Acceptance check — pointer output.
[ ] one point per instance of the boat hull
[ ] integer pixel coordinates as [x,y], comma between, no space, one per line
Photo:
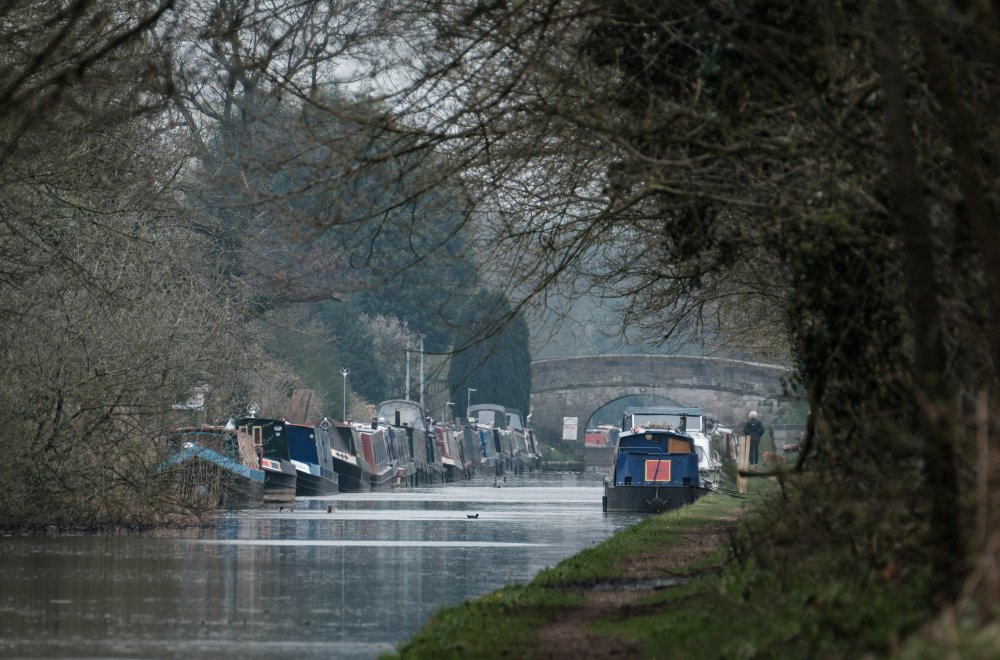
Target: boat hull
[453,473]
[649,498]
[279,481]
[311,485]
[383,480]
[351,477]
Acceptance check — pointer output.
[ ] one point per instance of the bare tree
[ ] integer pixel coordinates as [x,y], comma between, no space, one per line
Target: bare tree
[109,311]
[701,159]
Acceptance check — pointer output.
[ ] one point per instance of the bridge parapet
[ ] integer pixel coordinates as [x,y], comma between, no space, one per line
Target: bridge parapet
[725,389]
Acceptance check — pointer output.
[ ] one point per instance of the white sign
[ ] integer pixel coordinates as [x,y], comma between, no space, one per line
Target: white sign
[569,428]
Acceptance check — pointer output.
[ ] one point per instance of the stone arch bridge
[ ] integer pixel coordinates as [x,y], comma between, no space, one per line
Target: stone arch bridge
[725,389]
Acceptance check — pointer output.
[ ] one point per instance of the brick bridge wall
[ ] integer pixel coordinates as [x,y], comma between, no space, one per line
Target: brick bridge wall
[725,389]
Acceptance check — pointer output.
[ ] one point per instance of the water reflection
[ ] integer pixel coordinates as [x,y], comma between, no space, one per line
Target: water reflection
[350,583]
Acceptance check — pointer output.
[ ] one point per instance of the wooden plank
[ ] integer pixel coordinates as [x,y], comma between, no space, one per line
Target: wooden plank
[743,464]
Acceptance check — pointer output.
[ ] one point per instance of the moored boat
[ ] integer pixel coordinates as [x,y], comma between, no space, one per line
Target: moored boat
[221,465]
[450,449]
[599,446]
[405,425]
[692,421]
[310,452]
[279,472]
[656,464]
[353,475]
[491,418]
[375,451]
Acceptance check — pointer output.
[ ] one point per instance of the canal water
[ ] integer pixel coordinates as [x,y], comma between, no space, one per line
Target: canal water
[349,584]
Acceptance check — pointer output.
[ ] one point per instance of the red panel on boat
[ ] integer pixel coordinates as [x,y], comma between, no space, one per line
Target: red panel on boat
[657,470]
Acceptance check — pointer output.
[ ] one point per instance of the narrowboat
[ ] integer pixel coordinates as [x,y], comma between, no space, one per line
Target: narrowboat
[692,421]
[400,447]
[353,475]
[534,450]
[472,449]
[492,418]
[520,460]
[219,464]
[599,446]
[656,463]
[404,424]
[310,452]
[449,448]
[375,451]
[279,473]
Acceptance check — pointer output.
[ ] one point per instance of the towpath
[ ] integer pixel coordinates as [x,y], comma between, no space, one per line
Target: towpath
[641,575]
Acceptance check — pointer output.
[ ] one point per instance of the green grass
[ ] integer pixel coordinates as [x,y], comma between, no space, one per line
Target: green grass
[502,622]
[505,623]
[601,561]
[817,603]
[820,610]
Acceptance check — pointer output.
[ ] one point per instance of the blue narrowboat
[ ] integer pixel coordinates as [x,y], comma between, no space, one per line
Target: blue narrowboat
[309,449]
[655,466]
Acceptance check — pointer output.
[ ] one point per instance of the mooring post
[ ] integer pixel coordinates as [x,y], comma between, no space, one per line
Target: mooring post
[743,464]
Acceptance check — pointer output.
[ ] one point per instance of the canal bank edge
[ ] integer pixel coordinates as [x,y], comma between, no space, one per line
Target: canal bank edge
[551,616]
[670,587]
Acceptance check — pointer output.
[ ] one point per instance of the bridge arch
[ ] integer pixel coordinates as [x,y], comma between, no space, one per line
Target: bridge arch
[725,389]
[611,411]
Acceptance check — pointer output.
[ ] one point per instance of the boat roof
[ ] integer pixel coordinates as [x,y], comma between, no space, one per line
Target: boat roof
[664,410]
[488,406]
[408,402]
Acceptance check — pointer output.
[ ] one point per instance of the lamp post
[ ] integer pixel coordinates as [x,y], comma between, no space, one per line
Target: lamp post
[343,372]
[468,400]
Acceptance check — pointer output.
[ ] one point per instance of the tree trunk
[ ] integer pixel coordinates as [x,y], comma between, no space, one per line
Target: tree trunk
[934,417]
[975,212]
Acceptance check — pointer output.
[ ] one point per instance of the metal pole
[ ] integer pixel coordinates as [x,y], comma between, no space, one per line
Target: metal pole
[407,395]
[343,372]
[422,371]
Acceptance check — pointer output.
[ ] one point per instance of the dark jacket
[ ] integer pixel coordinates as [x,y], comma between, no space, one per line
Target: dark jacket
[754,429]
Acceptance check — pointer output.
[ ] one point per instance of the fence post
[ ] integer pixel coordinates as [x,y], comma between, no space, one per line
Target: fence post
[743,464]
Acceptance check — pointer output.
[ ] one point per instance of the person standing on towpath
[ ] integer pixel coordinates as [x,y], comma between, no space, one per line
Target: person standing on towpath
[755,430]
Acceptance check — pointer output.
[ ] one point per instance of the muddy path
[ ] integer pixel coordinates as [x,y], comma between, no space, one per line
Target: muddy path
[642,575]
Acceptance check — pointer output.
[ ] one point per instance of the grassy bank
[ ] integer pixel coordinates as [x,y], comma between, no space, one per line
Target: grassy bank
[727,605]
